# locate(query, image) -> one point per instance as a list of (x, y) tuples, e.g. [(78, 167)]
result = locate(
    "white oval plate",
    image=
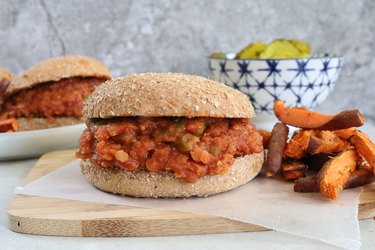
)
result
[(34, 143)]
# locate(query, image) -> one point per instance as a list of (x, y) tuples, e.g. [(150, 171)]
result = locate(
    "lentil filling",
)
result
[(190, 148), (63, 98)]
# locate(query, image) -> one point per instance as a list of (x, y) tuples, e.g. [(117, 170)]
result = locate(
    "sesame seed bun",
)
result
[(144, 183), (166, 94), (57, 68)]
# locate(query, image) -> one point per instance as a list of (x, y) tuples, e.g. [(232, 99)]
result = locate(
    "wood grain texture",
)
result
[(52, 216)]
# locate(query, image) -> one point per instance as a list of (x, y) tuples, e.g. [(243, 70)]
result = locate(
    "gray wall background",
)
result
[(170, 35)]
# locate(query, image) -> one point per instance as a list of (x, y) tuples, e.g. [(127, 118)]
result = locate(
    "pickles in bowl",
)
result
[(282, 69)]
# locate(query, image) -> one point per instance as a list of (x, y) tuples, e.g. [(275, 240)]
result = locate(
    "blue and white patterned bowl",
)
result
[(302, 82)]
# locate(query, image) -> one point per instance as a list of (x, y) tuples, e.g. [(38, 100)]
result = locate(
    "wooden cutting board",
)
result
[(52, 216)]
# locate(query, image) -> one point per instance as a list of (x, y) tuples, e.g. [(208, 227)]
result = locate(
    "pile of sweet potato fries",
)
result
[(329, 148)]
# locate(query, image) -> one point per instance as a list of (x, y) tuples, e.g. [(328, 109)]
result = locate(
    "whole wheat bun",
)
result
[(57, 68), (144, 183), (166, 94)]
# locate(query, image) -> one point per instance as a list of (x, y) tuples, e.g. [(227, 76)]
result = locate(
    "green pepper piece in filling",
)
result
[(186, 142), (214, 150), (179, 127), (200, 130), (162, 134)]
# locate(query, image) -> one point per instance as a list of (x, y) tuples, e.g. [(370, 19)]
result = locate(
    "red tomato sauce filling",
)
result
[(190, 148), (63, 98)]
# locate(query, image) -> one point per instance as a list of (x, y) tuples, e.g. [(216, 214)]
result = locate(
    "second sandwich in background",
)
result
[(51, 93)]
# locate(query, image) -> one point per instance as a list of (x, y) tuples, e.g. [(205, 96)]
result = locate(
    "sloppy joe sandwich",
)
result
[(168, 135), (52, 93)]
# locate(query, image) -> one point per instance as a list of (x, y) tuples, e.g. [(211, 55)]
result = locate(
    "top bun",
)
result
[(166, 94), (57, 68)]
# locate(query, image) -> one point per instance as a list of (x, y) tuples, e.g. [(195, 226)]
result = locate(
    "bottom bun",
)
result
[(144, 183), (25, 124)]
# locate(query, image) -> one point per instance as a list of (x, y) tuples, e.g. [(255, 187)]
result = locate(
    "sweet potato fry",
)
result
[(266, 136), (303, 118), (299, 117), (289, 165), (335, 172), (276, 146), (344, 119), (314, 142), (297, 145), (364, 147), (294, 175), (323, 141), (9, 125), (360, 177), (293, 169), (306, 185), (345, 133)]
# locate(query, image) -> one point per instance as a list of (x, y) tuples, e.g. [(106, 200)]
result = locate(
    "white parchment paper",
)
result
[(266, 202)]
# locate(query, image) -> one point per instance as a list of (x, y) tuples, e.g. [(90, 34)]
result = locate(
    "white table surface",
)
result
[(12, 174)]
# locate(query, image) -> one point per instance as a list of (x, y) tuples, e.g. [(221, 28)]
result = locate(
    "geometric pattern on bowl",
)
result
[(300, 82)]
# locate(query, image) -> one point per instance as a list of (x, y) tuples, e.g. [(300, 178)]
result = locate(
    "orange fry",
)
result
[(345, 133), (289, 165), (9, 125), (303, 118), (297, 145), (364, 147), (266, 136), (360, 177), (334, 174), (322, 141), (293, 175), (292, 170)]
